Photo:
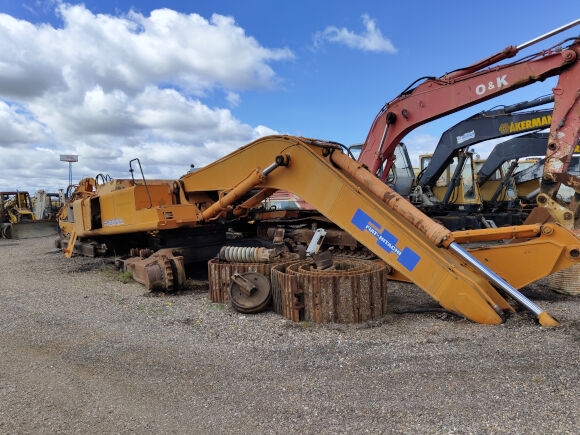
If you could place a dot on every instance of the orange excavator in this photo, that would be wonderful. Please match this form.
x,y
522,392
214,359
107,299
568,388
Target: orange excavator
x,y
435,97
480,283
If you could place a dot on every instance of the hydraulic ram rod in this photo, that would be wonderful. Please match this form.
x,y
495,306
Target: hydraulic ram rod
x,y
435,232
550,33
544,318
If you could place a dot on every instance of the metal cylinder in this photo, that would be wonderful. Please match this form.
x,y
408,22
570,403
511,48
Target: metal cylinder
x,y
246,254
548,34
225,201
495,279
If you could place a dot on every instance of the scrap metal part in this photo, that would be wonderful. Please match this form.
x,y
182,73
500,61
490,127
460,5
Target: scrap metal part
x,y
250,292
354,291
161,271
220,274
247,254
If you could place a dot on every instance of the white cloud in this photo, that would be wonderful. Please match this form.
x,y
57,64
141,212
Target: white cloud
x,y
111,88
17,126
129,52
418,144
233,98
371,39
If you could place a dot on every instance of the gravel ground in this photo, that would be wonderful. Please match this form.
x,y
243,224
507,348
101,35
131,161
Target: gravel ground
x,y
83,352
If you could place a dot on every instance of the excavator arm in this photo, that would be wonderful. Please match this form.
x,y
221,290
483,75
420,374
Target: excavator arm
x,y
481,127
353,198
348,194
531,144
436,97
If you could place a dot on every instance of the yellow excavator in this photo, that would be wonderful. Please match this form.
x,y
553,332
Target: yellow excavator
x,y
426,253
201,207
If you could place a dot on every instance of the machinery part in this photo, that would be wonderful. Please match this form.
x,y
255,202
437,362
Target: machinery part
x,y
455,178
245,286
131,170
548,34
241,188
323,260
6,230
245,254
504,183
337,238
250,292
278,238
254,201
544,318
220,274
544,249
483,126
289,302
352,197
436,97
315,242
566,281
70,247
86,248
560,213
355,291
161,271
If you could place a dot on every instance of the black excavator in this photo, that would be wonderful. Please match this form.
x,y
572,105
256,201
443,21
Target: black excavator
x,y
445,188
513,150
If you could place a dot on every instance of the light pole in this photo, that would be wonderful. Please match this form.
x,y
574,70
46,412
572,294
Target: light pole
x,y
70,158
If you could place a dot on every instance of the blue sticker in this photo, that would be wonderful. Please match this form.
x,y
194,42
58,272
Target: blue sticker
x,y
112,222
407,257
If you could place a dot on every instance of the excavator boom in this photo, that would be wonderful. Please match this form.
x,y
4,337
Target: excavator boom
x,y
479,128
342,190
436,97
372,213
350,195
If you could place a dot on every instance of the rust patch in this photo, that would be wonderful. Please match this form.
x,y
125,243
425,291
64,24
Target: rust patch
x,y
568,180
220,275
356,291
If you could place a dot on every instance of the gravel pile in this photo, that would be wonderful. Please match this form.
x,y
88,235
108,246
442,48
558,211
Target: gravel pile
x,y
83,352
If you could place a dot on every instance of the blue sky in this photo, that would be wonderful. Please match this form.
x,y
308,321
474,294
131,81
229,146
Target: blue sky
x,y
276,75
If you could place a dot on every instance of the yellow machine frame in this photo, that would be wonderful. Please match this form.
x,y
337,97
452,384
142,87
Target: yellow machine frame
x,y
344,191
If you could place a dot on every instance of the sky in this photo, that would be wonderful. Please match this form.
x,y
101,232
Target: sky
x,y
175,83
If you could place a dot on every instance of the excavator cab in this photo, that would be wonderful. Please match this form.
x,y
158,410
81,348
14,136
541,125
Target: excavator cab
x,y
402,176
489,188
456,188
